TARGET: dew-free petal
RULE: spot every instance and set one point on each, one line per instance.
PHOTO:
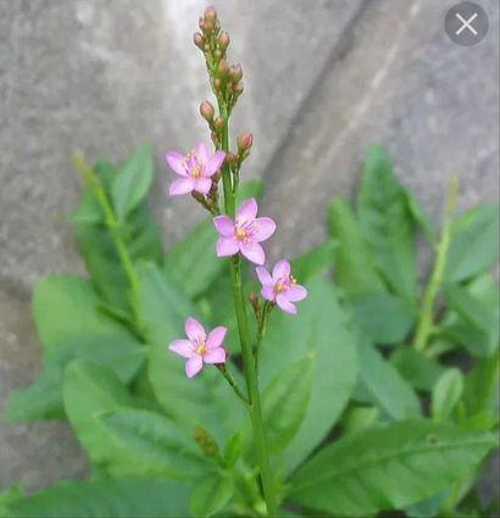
(194, 366)
(227, 246)
(285, 305)
(176, 162)
(248, 211)
(202, 153)
(183, 348)
(224, 226)
(202, 185)
(181, 186)
(264, 276)
(296, 293)
(216, 337)
(217, 355)
(264, 228)
(268, 293)
(194, 330)
(281, 269)
(214, 163)
(253, 252)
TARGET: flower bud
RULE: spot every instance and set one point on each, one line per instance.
(207, 111)
(245, 141)
(198, 40)
(210, 14)
(215, 138)
(236, 73)
(218, 54)
(217, 84)
(231, 158)
(219, 124)
(223, 67)
(238, 88)
(224, 40)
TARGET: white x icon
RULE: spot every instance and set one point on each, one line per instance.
(466, 24)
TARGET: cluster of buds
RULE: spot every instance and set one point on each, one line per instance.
(213, 42)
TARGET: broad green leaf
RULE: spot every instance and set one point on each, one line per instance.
(90, 390)
(211, 495)
(359, 418)
(447, 393)
(153, 445)
(193, 262)
(320, 329)
(285, 401)
(392, 467)
(111, 498)
(420, 371)
(474, 247)
(206, 400)
(132, 183)
(477, 325)
(385, 318)
(355, 269)
(315, 262)
(384, 384)
(481, 387)
(387, 225)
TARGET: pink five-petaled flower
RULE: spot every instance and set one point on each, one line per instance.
(196, 170)
(199, 348)
(281, 287)
(244, 234)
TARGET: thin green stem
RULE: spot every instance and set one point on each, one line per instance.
(426, 325)
(266, 311)
(232, 383)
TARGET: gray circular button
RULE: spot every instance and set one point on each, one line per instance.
(466, 23)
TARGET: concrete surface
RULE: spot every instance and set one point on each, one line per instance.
(324, 80)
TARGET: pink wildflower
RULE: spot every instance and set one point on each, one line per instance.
(244, 234)
(196, 169)
(199, 348)
(281, 287)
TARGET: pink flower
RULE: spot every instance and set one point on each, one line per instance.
(199, 348)
(281, 287)
(244, 234)
(196, 169)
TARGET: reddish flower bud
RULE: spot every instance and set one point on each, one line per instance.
(219, 123)
(198, 40)
(238, 88)
(245, 141)
(214, 138)
(224, 40)
(217, 84)
(223, 67)
(236, 73)
(210, 14)
(231, 158)
(207, 111)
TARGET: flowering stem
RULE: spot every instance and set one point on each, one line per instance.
(229, 378)
(254, 406)
(426, 325)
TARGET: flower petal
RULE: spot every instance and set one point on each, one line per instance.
(268, 293)
(202, 185)
(183, 348)
(217, 355)
(227, 246)
(264, 276)
(296, 293)
(214, 163)
(176, 162)
(248, 211)
(194, 366)
(224, 226)
(281, 269)
(181, 186)
(264, 228)
(253, 252)
(194, 330)
(216, 337)
(202, 153)
(285, 305)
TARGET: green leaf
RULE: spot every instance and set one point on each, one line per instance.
(474, 247)
(233, 449)
(477, 326)
(384, 384)
(111, 498)
(359, 418)
(420, 217)
(152, 445)
(320, 330)
(206, 401)
(90, 390)
(392, 467)
(385, 318)
(285, 401)
(317, 261)
(211, 495)
(447, 393)
(387, 225)
(132, 183)
(416, 368)
(481, 387)
(354, 265)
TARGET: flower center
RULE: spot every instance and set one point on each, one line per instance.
(201, 349)
(241, 234)
(196, 171)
